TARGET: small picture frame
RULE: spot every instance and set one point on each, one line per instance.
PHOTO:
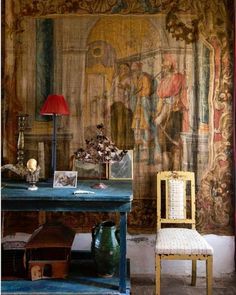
(90, 170)
(122, 169)
(65, 179)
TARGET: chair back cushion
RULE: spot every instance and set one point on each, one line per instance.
(176, 199)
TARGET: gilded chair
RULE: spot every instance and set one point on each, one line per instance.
(177, 238)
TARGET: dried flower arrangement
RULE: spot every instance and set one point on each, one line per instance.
(99, 150)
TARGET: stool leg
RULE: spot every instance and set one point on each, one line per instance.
(209, 262)
(194, 272)
(158, 274)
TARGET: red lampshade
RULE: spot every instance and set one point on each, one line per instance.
(55, 104)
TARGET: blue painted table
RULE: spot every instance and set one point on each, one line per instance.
(117, 197)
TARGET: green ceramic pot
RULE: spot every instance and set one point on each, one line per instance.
(105, 248)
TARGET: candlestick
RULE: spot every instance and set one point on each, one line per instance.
(21, 141)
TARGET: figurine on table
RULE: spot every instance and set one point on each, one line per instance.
(32, 174)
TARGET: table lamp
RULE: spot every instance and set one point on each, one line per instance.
(54, 106)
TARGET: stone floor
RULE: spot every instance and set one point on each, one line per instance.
(173, 285)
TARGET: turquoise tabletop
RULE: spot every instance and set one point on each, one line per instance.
(116, 197)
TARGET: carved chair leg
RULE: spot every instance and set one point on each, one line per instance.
(158, 274)
(194, 272)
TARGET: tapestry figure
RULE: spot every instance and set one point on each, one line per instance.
(121, 113)
(171, 113)
(142, 90)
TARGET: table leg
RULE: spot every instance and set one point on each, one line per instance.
(122, 273)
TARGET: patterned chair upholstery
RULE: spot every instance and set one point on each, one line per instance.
(176, 206)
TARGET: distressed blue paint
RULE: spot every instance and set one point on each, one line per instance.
(65, 206)
(117, 197)
(74, 284)
(116, 191)
(123, 271)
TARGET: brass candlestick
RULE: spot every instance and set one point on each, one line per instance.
(19, 167)
(21, 140)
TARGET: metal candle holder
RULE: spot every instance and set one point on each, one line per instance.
(21, 141)
(19, 167)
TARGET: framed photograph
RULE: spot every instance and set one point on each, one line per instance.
(65, 179)
(122, 169)
(90, 170)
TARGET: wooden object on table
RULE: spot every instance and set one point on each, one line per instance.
(48, 269)
(48, 251)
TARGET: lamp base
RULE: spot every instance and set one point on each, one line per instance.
(99, 186)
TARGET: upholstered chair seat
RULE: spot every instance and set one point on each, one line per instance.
(181, 241)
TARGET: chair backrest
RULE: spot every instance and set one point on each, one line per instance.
(175, 198)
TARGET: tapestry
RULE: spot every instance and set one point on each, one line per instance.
(157, 74)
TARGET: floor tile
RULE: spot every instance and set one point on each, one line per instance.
(181, 285)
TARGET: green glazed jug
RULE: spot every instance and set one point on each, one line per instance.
(105, 248)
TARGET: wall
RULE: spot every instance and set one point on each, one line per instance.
(140, 250)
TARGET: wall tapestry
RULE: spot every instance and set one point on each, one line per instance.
(157, 74)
